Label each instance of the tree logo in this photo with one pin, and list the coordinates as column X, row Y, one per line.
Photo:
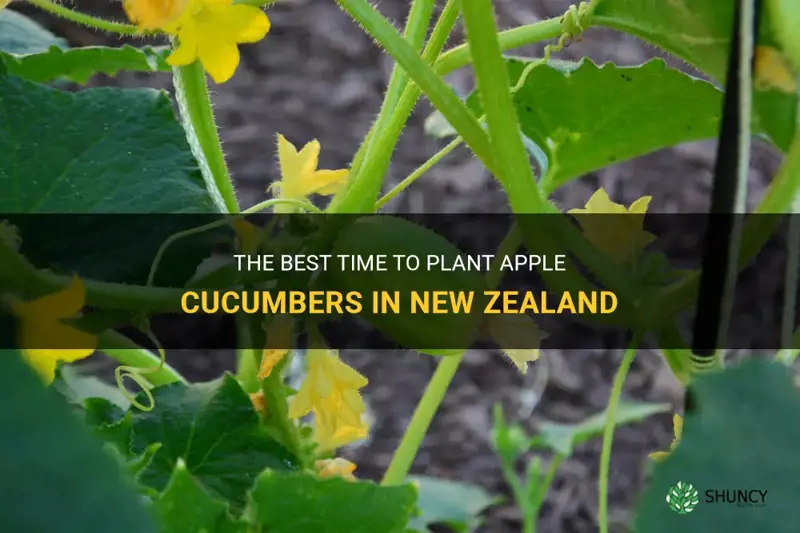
column 682, row 498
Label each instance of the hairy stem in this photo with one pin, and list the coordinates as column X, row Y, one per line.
column 437, row 387
column 84, row 19
column 191, row 92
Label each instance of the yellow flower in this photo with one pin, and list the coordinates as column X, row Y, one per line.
column 211, row 30
column 520, row 332
column 774, row 71
column 331, row 438
column 300, row 177
column 677, row 425
column 259, row 402
column 279, row 338
column 619, row 237
column 4, row 3
column 154, row 14
column 331, row 391
column 337, row 467
column 249, row 236
column 41, row 324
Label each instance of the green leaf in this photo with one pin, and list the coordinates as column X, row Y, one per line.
column 213, row 428
column 110, row 423
column 21, row 35
column 742, row 436
column 699, row 33
column 80, row 64
column 185, row 507
column 56, row 478
column 588, row 116
column 562, row 438
column 301, row 503
column 457, row 505
column 99, row 150
column 96, row 151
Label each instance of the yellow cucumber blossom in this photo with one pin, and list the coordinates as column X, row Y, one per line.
column 40, row 323
column 337, row 467
column 332, row 437
column 331, row 391
column 249, row 236
column 259, row 402
column 279, row 338
column 517, row 331
column 300, row 177
column 620, row 237
column 677, row 425
column 211, row 30
column 151, row 15
column 773, row 70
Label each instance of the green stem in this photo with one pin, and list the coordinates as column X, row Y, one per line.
column 461, row 56
column 84, row 19
column 541, row 494
column 416, row 28
column 423, row 416
column 437, row 387
column 422, row 169
column 369, row 172
column 438, row 92
column 608, row 431
column 512, row 165
column 129, row 353
column 247, row 358
column 191, row 92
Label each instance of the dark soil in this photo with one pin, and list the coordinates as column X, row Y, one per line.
column 318, row 76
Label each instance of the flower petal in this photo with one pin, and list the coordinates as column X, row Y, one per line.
column 658, row 456
column 65, row 303
column 640, row 206
column 186, row 52
column 327, row 182
column 43, row 362
column 309, row 158
column 219, row 57
column 677, row 426
column 346, row 376
column 244, row 24
column 302, row 403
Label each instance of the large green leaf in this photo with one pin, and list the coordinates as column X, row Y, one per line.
column 742, row 436
column 55, row 476
column 98, row 151
column 185, row 507
column 213, row 428
column 699, row 33
column 101, row 150
column 21, row 35
column 586, row 116
column 563, row 438
column 80, row 64
column 457, row 505
column 301, row 503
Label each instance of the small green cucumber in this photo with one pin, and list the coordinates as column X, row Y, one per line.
column 390, row 237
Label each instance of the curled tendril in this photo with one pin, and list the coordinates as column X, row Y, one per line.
column 305, row 205
column 137, row 375
column 573, row 23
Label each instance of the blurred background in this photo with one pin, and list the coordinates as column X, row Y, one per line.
column 317, row 76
